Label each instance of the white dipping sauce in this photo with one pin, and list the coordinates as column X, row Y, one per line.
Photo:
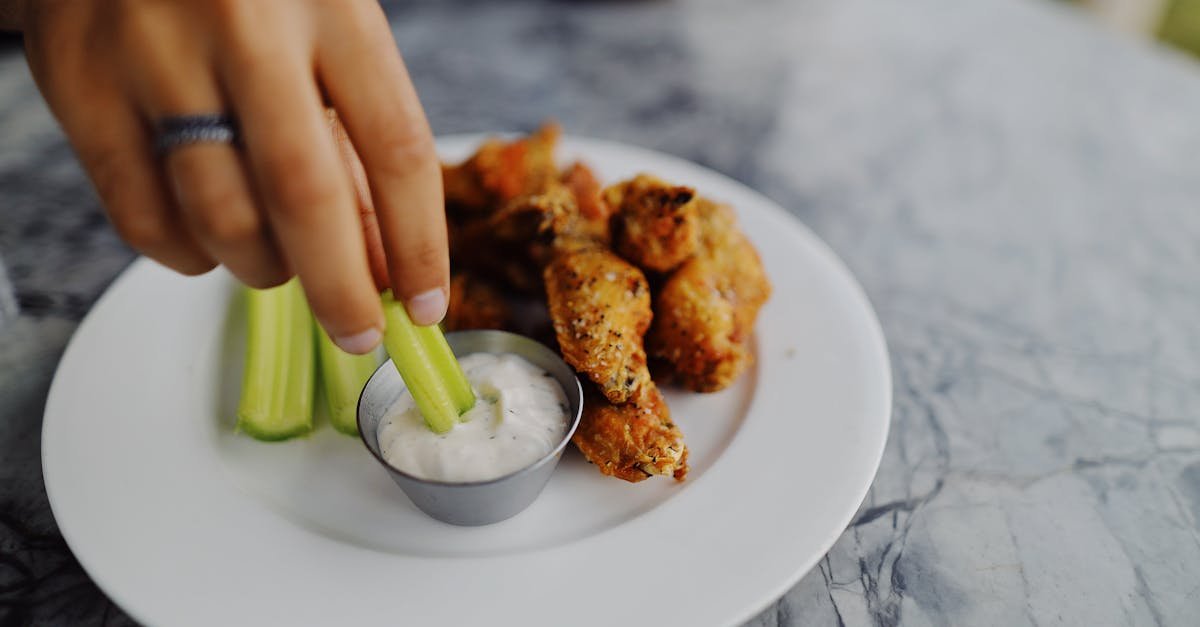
column 520, row 415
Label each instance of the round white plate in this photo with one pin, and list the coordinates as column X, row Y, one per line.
column 183, row 522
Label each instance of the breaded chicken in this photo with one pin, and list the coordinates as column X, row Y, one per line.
column 501, row 171
column 591, row 222
column 566, row 209
column 631, row 441
column 600, row 307
column 475, row 304
column 540, row 216
column 705, row 311
column 656, row 224
column 515, row 242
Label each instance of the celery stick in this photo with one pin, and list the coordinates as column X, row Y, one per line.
column 427, row 370
column 344, row 376
column 302, row 362
column 444, row 361
column 277, row 385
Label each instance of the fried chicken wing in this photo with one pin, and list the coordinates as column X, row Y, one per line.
column 518, row 222
column 516, row 241
column 475, row 304
column 501, row 171
column 566, row 209
column 600, row 307
column 705, row 312
column 656, row 223
column 591, row 222
column 631, row 441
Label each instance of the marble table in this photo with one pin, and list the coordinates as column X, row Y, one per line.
column 1016, row 189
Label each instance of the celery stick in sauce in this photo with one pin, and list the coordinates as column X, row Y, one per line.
column 428, row 366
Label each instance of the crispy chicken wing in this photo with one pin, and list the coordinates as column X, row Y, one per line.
column 501, row 171
column 705, row 312
column 517, row 220
column 656, row 223
column 600, row 307
column 569, row 208
column 475, row 304
column 515, row 242
column 631, row 441
column 591, row 221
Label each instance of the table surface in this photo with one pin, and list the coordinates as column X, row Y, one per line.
column 1015, row 188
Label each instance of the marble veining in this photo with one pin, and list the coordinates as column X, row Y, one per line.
column 1014, row 187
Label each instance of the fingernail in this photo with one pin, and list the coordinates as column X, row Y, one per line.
column 427, row 308
column 359, row 343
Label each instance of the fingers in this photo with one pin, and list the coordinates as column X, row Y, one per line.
column 362, row 197
column 209, row 182
column 114, row 146
column 302, row 184
column 111, row 139
column 215, row 198
column 363, row 76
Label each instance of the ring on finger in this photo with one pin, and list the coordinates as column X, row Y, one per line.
column 174, row 131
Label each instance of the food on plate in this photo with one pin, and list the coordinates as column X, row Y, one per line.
column 277, row 382
column 520, row 417
column 343, row 376
column 594, row 212
column 432, row 374
column 634, row 440
column 514, row 241
column 656, row 226
column 500, row 171
column 705, row 310
column 283, row 343
column 642, row 272
column 600, row 307
column 586, row 250
column 475, row 304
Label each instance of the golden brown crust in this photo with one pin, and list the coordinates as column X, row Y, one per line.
column 593, row 216
column 705, row 312
column 600, row 306
column 517, row 220
column 633, row 441
column 656, row 224
column 501, row 171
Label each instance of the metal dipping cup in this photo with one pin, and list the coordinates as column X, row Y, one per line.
column 478, row 502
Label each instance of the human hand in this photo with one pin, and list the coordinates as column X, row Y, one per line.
column 282, row 201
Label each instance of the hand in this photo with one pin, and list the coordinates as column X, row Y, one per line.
column 282, row 202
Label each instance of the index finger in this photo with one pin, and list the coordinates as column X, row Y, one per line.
column 363, row 75
column 305, row 189
column 376, row 258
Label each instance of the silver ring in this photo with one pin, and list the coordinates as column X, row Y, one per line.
column 206, row 128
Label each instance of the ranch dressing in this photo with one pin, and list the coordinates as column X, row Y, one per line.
column 520, row 415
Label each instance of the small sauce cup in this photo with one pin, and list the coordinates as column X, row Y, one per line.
column 477, row 502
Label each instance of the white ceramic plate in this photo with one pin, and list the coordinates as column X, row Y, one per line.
column 184, row 522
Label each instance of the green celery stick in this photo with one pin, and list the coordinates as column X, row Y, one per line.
column 427, row 369
column 277, row 385
column 452, row 372
column 344, row 376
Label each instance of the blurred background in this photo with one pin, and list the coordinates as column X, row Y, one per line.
column 1175, row 22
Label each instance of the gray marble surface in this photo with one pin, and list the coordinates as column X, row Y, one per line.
column 1015, row 188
